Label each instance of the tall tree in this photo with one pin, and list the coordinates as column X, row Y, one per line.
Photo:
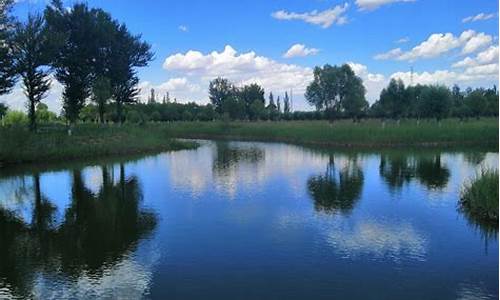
column 128, row 52
column 286, row 103
column 101, row 94
column 336, row 89
column 435, row 101
column 352, row 94
column 393, row 99
column 74, row 31
column 219, row 91
column 249, row 94
column 7, row 68
column 32, row 55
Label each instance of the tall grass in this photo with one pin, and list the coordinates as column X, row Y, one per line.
column 346, row 133
column 479, row 198
column 18, row 145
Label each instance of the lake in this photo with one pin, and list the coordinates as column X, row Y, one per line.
column 249, row 220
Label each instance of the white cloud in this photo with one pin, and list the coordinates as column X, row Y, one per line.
column 440, row 43
column 487, row 56
column 241, row 68
column 477, row 42
column 373, row 82
column 183, row 28
column 374, row 4
column 403, row 40
column 325, row 18
column 391, row 54
column 471, row 76
column 478, row 17
column 300, row 50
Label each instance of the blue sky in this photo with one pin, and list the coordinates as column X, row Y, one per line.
column 251, row 39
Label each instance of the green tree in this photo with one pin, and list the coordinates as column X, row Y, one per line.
column 476, row 102
column 3, row 110
column 7, row 68
column 74, row 34
column 220, row 90
column 128, row 52
column 32, row 54
column 43, row 114
column 256, row 110
column 393, row 99
column 352, row 99
column 286, row 105
column 335, row 89
column 249, row 94
column 435, row 102
column 101, row 94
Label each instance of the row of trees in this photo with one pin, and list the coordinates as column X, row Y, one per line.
column 92, row 55
column 434, row 101
column 246, row 102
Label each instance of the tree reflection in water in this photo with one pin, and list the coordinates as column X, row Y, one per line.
column 398, row 170
column 227, row 157
column 338, row 189
column 96, row 232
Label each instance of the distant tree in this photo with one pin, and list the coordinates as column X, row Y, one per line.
column 435, row 102
column 286, row 103
column 352, row 95
column 256, row 110
column 393, row 99
column 336, row 89
column 7, row 68
column 101, row 94
column 156, row 116
column 272, row 110
column 249, row 94
column 152, row 97
column 3, row 110
column 278, row 104
column 476, row 103
column 220, row 90
column 14, row 118
column 233, row 107
column 127, row 53
column 32, row 55
column 492, row 100
column 43, row 114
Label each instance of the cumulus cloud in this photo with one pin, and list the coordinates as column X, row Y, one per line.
column 325, row 18
column 374, row 4
column 478, row 17
column 300, row 50
column 183, row 28
column 470, row 76
column 487, row 56
column 240, row 68
column 373, row 82
column 440, row 43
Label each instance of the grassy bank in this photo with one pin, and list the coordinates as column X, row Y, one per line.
column 18, row 145
column 479, row 198
column 368, row 133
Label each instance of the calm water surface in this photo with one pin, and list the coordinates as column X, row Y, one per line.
column 248, row 220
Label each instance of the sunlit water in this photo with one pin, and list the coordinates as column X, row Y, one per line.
column 248, row 220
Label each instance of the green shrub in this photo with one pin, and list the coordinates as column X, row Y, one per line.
column 479, row 197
